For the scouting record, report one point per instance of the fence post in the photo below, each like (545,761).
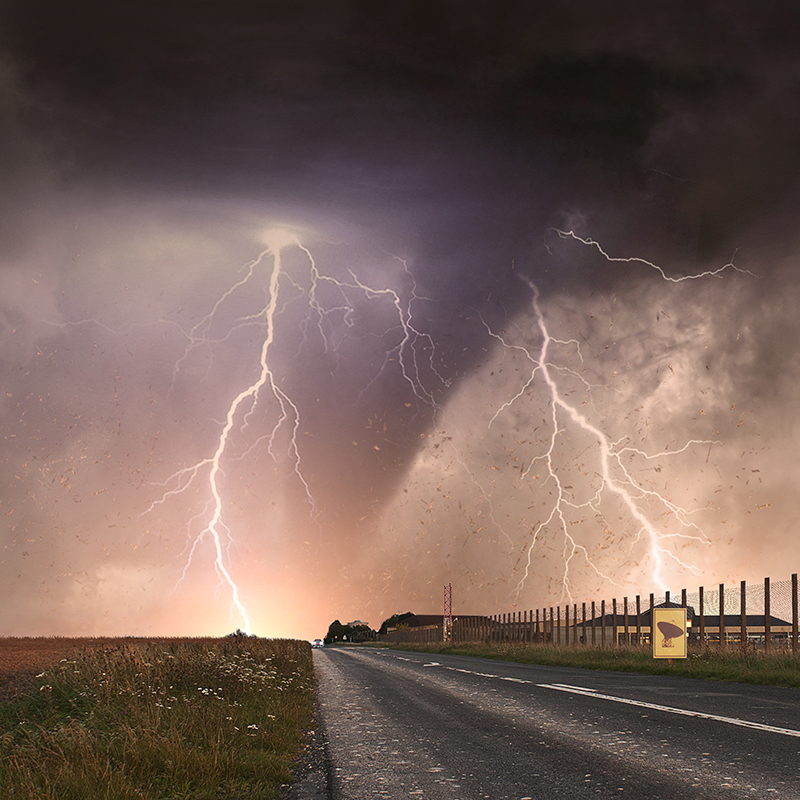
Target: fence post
(702,617)
(558,625)
(552,625)
(602,623)
(723,636)
(794,613)
(594,625)
(583,610)
(684,604)
(743,616)
(574,623)
(639,620)
(652,615)
(614,621)
(767,620)
(566,624)
(627,633)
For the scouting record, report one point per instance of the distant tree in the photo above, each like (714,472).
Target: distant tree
(395,621)
(348,633)
(362,633)
(338,633)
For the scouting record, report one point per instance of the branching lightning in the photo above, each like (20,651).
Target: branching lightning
(712,273)
(282,290)
(645,507)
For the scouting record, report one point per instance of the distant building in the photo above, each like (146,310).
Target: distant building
(423,620)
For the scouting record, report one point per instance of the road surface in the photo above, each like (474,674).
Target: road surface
(411,725)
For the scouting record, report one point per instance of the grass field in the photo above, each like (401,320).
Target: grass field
(185,718)
(730,664)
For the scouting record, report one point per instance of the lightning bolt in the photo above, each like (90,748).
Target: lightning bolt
(713,273)
(614,479)
(282,290)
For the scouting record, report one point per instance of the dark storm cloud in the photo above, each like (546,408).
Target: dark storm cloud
(141,142)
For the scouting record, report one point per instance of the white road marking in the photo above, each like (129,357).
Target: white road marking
(487,675)
(588,692)
(669,709)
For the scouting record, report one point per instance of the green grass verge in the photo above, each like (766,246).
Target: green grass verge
(201,719)
(773,669)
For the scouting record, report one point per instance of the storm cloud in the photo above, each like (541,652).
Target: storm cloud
(420,159)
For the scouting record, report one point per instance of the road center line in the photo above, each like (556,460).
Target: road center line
(669,709)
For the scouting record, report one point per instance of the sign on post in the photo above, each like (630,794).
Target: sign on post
(669,633)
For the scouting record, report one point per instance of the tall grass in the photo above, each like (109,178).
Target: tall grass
(219,718)
(779,668)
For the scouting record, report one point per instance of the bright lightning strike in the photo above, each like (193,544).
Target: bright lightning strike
(325,298)
(572,416)
(714,273)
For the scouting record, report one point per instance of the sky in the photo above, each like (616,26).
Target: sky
(308,310)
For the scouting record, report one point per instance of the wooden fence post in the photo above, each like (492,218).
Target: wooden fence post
(627,629)
(702,617)
(723,637)
(614,620)
(574,623)
(583,607)
(652,616)
(639,620)
(794,613)
(684,604)
(594,625)
(530,623)
(767,619)
(602,623)
(743,615)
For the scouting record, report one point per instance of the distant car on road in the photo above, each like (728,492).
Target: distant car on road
(318,643)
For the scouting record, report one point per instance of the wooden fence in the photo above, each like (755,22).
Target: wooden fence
(755,617)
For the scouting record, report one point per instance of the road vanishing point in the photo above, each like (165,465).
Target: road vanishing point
(394,724)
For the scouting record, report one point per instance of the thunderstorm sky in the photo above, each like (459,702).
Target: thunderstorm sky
(307,309)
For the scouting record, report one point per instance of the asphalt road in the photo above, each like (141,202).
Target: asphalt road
(408,725)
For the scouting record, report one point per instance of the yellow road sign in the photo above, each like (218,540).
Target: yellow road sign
(669,633)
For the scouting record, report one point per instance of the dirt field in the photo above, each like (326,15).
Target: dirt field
(22,659)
